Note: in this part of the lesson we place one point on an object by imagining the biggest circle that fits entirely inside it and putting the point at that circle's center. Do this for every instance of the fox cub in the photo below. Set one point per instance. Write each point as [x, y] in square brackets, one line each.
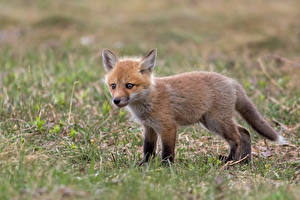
[162, 104]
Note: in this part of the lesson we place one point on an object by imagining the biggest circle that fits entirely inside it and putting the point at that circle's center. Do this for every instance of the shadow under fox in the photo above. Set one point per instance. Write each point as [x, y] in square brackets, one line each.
[162, 104]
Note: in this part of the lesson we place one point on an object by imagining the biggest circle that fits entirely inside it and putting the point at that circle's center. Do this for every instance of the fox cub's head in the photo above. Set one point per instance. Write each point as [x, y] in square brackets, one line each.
[129, 80]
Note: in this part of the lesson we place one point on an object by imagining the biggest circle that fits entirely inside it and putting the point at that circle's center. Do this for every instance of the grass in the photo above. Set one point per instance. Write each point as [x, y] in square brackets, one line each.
[61, 138]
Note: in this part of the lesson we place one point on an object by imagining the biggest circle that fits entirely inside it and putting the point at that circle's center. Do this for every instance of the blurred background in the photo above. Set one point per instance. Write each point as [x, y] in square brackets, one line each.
[190, 27]
[187, 33]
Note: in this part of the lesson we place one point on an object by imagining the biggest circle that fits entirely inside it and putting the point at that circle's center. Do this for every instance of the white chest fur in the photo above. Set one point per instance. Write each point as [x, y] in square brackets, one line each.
[141, 112]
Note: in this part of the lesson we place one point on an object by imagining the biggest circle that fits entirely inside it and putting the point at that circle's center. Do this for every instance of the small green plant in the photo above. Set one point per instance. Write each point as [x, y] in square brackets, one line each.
[73, 134]
[39, 124]
[73, 146]
[56, 129]
[105, 108]
[37, 107]
[213, 161]
[122, 115]
[59, 99]
[262, 84]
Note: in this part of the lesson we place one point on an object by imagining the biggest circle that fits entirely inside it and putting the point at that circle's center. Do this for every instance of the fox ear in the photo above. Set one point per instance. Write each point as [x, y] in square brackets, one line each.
[109, 59]
[148, 62]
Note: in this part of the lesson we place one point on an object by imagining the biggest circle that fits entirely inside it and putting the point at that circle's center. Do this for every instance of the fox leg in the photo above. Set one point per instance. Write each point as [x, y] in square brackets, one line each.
[234, 153]
[149, 147]
[228, 130]
[245, 143]
[233, 137]
[168, 140]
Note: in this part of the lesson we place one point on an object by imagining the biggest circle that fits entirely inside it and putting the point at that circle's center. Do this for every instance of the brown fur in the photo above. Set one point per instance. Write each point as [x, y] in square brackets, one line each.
[184, 99]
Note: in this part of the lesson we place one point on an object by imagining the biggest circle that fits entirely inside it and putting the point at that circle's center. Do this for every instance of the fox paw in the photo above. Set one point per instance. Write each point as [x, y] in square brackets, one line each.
[223, 158]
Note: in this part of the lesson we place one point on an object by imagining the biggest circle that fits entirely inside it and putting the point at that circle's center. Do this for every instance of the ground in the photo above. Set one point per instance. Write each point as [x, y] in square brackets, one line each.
[61, 138]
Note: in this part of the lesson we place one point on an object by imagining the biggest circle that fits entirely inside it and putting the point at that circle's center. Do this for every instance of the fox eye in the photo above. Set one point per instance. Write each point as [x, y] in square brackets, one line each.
[113, 86]
[129, 85]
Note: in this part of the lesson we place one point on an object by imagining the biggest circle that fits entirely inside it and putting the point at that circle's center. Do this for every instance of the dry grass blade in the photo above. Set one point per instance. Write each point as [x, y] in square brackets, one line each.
[231, 163]
[262, 66]
[238, 161]
[71, 101]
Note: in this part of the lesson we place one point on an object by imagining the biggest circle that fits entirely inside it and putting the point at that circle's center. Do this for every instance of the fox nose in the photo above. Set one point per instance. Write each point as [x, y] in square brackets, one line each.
[117, 101]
